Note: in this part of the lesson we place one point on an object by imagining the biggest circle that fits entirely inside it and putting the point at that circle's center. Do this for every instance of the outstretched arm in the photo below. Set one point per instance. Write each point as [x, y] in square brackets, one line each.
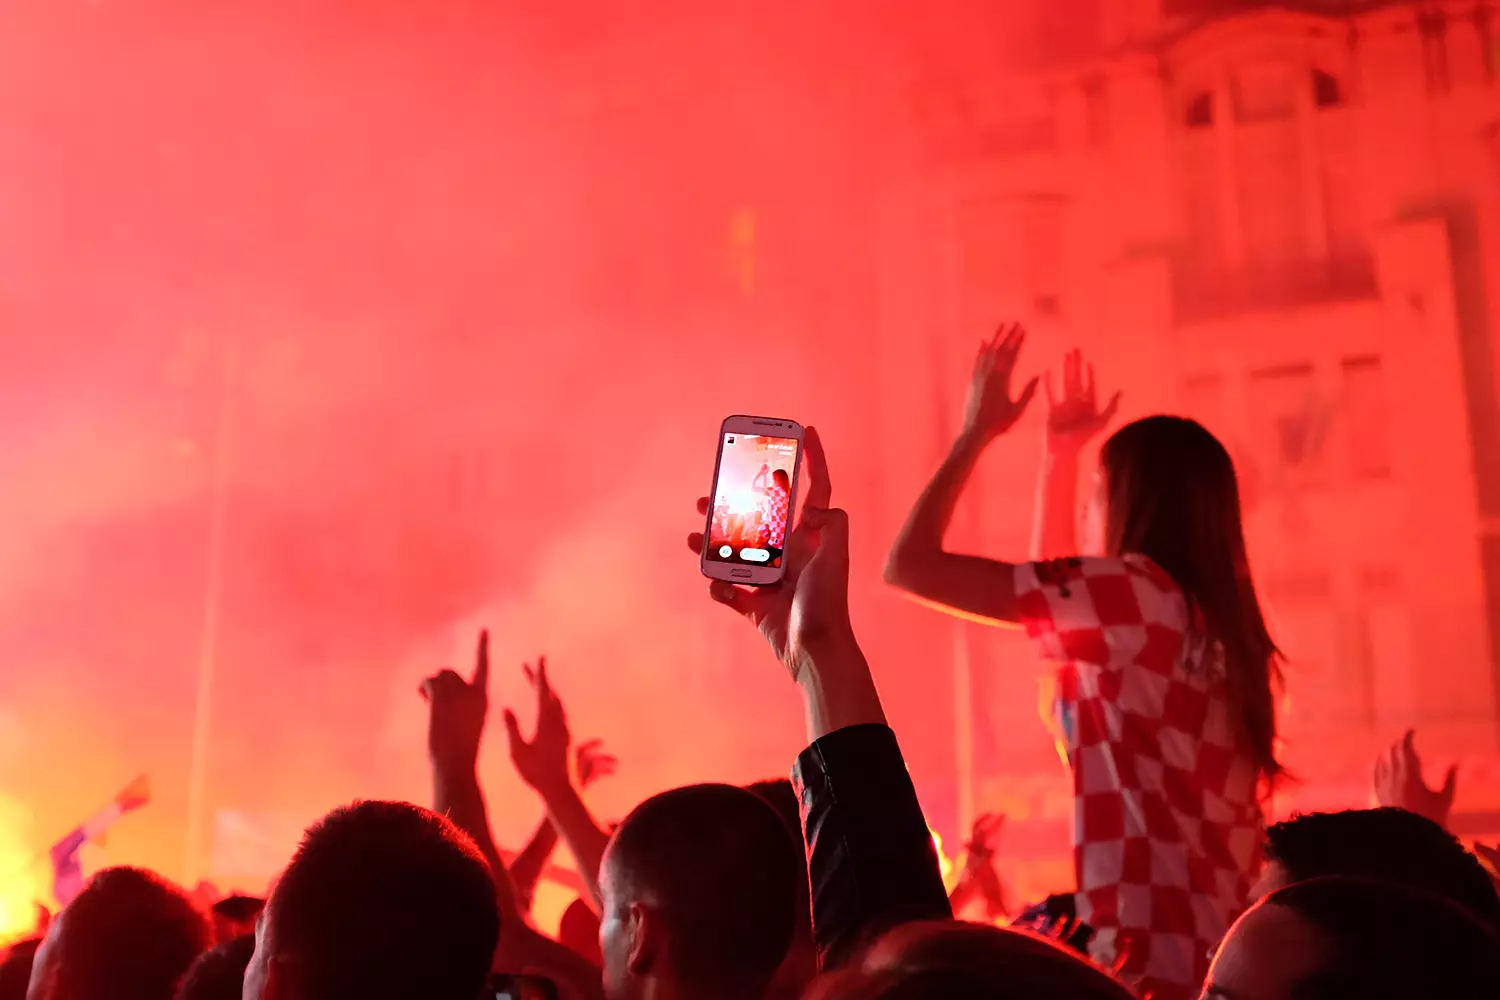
[871, 862]
[1072, 419]
[455, 725]
[592, 763]
[542, 763]
[966, 585]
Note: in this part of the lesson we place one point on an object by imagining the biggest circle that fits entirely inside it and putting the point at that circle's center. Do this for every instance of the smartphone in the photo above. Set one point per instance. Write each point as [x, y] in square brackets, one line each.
[522, 988]
[751, 503]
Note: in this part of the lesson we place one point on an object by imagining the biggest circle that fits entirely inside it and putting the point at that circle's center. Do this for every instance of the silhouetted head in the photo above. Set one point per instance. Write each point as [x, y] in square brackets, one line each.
[952, 959]
[382, 901]
[782, 479]
[1391, 845]
[1337, 938]
[235, 916]
[1168, 491]
[129, 935]
[219, 974]
[15, 969]
[579, 930]
[800, 966]
[699, 889]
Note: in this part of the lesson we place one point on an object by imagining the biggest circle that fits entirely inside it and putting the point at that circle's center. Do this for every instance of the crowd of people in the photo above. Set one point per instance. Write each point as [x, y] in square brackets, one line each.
[827, 885]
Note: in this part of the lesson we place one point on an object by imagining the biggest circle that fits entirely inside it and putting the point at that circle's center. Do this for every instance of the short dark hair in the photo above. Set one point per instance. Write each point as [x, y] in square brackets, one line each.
[1384, 940]
[15, 969]
[720, 868]
[937, 960]
[1392, 845]
[385, 900]
[219, 973]
[779, 794]
[130, 935]
[239, 908]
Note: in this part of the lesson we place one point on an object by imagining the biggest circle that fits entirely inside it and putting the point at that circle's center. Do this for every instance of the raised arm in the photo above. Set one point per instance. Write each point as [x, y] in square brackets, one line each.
[542, 763]
[871, 862]
[456, 714]
[526, 867]
[919, 564]
[1072, 419]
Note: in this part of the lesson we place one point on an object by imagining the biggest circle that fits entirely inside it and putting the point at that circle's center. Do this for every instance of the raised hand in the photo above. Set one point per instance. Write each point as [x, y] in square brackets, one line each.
[811, 603]
[592, 763]
[991, 410]
[984, 833]
[542, 761]
[456, 712]
[1399, 782]
[1074, 416]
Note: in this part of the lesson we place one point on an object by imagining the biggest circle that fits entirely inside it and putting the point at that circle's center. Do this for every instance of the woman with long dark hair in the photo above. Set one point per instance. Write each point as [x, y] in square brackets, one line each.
[1164, 693]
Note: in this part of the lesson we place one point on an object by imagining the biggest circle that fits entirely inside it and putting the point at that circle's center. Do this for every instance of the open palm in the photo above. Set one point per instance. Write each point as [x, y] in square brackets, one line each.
[991, 409]
[1074, 416]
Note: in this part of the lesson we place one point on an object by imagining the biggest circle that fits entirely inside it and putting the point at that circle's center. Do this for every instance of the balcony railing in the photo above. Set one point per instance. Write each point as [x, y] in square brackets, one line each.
[1201, 294]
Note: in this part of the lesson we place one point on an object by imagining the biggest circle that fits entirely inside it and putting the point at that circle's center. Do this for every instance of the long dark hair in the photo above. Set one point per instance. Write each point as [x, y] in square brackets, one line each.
[1174, 498]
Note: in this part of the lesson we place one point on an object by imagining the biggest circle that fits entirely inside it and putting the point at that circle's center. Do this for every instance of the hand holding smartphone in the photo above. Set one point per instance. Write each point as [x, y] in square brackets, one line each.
[751, 503]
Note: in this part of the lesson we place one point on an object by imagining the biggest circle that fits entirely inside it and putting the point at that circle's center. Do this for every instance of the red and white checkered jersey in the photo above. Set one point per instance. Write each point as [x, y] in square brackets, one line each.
[778, 509]
[1166, 822]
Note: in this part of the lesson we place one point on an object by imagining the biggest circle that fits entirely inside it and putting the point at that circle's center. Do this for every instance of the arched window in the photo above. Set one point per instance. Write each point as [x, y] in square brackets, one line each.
[1200, 111]
[1326, 90]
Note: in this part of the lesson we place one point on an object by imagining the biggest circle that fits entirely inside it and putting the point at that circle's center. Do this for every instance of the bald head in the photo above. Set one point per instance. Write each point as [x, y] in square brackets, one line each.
[700, 888]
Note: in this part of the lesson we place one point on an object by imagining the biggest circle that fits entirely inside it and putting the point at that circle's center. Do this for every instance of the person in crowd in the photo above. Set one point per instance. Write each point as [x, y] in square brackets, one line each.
[941, 960]
[872, 865]
[382, 901]
[1338, 938]
[234, 916]
[1399, 782]
[870, 857]
[775, 511]
[457, 712]
[542, 763]
[128, 935]
[591, 764]
[800, 966]
[699, 890]
[1392, 845]
[219, 973]
[1164, 697]
[15, 969]
[578, 930]
[979, 882]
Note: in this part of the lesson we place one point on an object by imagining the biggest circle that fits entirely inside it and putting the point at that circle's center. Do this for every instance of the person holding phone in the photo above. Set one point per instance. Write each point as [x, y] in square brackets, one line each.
[1164, 695]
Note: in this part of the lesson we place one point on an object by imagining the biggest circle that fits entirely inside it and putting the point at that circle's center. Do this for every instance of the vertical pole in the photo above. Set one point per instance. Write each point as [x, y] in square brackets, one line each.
[192, 862]
[963, 674]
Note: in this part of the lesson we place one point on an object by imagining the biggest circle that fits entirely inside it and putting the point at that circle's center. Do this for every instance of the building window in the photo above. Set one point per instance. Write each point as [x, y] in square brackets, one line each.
[1366, 417]
[1326, 91]
[1433, 27]
[1199, 112]
[1042, 242]
[1288, 427]
[1096, 110]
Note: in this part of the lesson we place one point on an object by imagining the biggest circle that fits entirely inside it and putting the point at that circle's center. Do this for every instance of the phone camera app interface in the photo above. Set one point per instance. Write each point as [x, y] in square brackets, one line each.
[754, 500]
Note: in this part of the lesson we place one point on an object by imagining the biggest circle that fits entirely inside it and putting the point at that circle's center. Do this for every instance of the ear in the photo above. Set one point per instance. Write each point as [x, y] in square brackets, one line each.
[645, 940]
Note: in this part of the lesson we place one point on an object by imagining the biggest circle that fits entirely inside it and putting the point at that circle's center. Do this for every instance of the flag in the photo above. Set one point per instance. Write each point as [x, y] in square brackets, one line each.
[67, 866]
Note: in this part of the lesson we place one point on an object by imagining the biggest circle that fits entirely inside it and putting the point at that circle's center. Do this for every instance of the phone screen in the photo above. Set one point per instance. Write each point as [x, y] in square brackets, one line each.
[752, 503]
[522, 988]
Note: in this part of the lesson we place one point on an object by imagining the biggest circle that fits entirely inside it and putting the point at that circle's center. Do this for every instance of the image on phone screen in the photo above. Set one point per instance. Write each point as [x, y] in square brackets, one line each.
[752, 503]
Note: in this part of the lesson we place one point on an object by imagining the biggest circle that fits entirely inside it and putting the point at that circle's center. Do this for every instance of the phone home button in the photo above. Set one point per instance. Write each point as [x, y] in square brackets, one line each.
[737, 573]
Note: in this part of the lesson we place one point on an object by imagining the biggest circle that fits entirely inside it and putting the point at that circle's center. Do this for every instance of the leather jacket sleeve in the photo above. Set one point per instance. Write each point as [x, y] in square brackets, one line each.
[870, 857]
